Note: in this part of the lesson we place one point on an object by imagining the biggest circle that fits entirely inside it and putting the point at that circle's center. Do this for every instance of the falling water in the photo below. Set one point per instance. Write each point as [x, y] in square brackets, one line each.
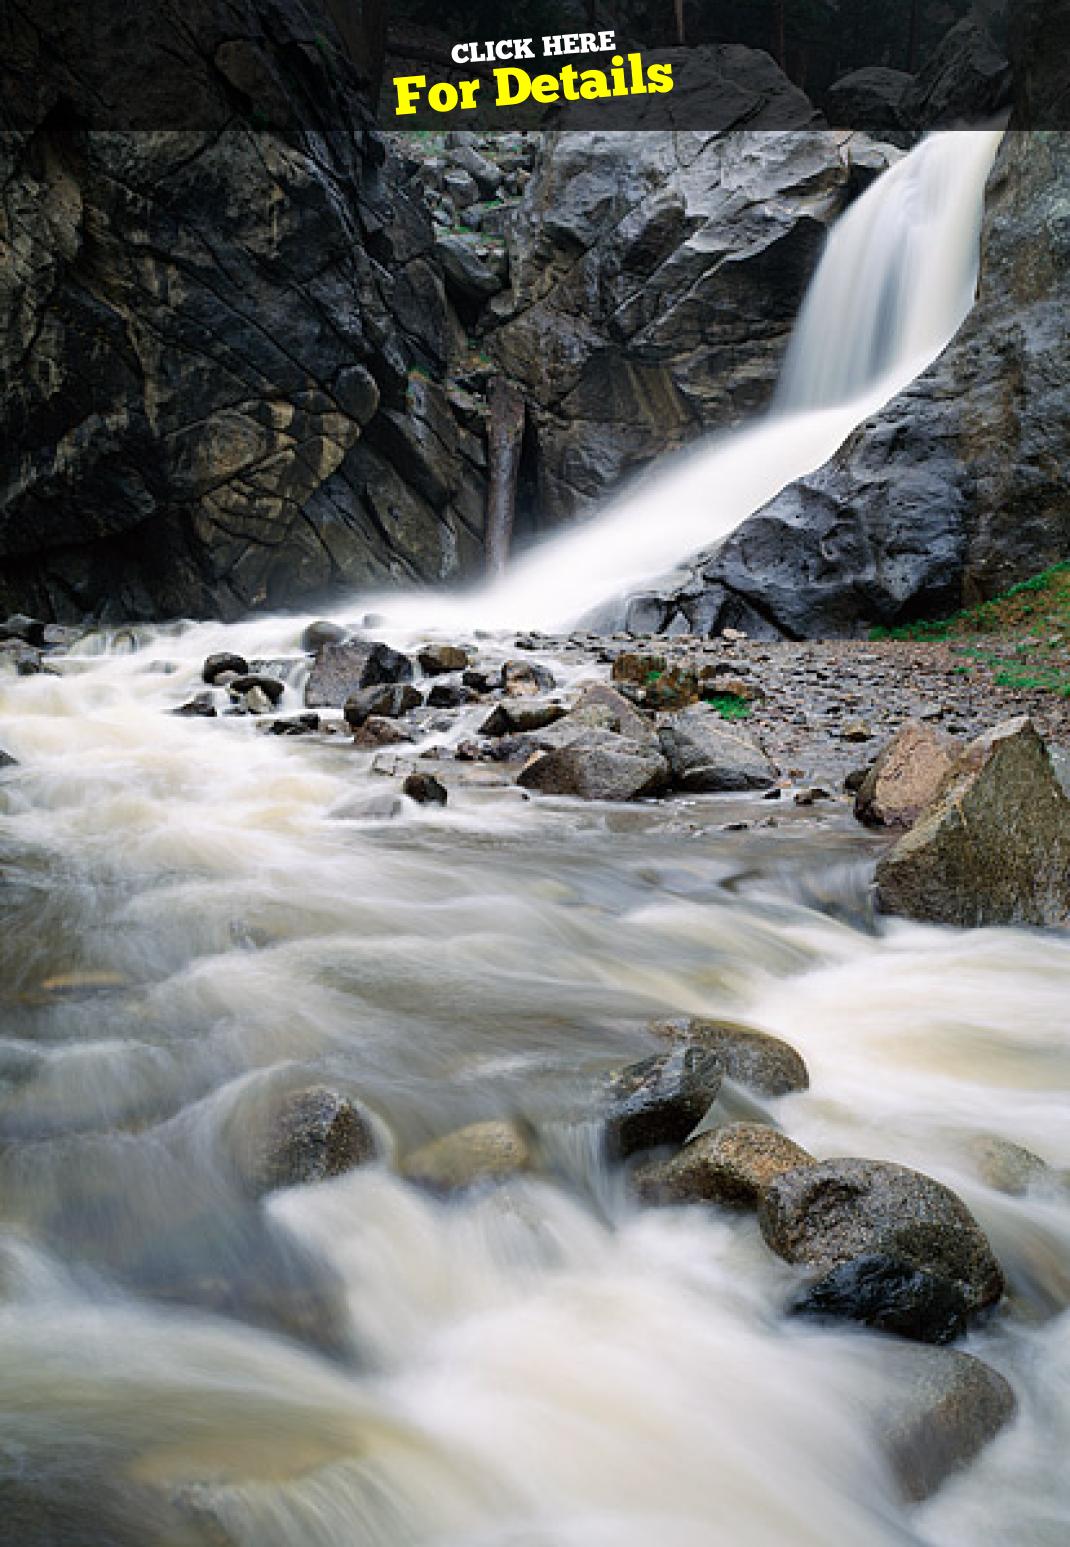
[199, 918]
[896, 280]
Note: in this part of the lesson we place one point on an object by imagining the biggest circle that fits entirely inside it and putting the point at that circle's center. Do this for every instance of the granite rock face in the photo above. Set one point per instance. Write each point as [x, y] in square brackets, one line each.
[954, 490]
[222, 354]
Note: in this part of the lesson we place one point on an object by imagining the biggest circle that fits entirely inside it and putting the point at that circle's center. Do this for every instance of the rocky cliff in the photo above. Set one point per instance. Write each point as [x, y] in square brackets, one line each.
[956, 488]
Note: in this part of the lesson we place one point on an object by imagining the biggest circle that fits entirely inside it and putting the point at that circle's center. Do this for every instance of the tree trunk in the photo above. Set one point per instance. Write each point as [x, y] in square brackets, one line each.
[505, 432]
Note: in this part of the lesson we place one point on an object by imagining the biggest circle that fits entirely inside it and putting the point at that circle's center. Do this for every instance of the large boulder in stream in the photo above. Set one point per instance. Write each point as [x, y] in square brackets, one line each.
[706, 753]
[994, 846]
[342, 670]
[731, 1165]
[894, 1248]
[657, 1101]
[763, 1063]
[597, 765]
[905, 778]
[316, 1134]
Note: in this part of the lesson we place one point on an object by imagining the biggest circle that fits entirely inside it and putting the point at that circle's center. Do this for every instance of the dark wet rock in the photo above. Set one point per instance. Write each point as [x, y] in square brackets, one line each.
[763, 1063]
[481, 1153]
[435, 660]
[658, 1101]
[447, 695]
[871, 96]
[216, 665]
[965, 79]
[316, 1134]
[425, 789]
[294, 725]
[386, 700]
[514, 719]
[271, 687]
[905, 778]
[527, 679]
[889, 1295]
[597, 765]
[706, 753]
[342, 670]
[994, 847]
[831, 1215]
[18, 626]
[321, 633]
[480, 679]
[813, 795]
[254, 701]
[7, 761]
[942, 1410]
[201, 706]
[472, 268]
[732, 1165]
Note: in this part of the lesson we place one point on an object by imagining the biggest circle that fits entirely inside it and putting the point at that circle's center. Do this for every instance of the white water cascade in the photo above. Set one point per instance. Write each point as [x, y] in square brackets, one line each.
[893, 287]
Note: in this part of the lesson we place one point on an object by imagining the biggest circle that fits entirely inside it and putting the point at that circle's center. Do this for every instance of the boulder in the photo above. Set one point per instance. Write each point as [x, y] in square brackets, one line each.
[905, 778]
[763, 1063]
[658, 1101]
[447, 695]
[889, 1295]
[935, 1409]
[526, 679]
[1006, 1167]
[270, 687]
[378, 731]
[469, 268]
[481, 1153]
[321, 633]
[7, 761]
[342, 670]
[513, 719]
[993, 847]
[872, 96]
[435, 660]
[317, 1133]
[597, 765]
[705, 753]
[200, 707]
[732, 1165]
[224, 661]
[425, 789]
[386, 700]
[884, 1237]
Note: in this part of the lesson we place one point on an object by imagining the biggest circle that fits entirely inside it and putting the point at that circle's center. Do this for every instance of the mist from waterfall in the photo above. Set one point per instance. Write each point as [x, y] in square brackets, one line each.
[894, 285]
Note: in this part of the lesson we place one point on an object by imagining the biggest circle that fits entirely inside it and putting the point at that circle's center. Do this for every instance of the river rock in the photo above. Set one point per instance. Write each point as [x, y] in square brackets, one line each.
[386, 700]
[425, 789]
[481, 1153]
[447, 695]
[597, 765]
[7, 761]
[514, 719]
[707, 754]
[321, 633]
[224, 661]
[316, 1134]
[658, 1101]
[341, 670]
[378, 731]
[868, 1226]
[763, 1063]
[526, 679]
[435, 660]
[270, 687]
[731, 1165]
[891, 1296]
[993, 847]
[905, 778]
[201, 706]
[1006, 1167]
[943, 1408]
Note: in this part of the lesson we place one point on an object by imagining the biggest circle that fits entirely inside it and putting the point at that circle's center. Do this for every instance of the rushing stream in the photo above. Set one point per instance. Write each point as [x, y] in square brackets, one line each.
[198, 917]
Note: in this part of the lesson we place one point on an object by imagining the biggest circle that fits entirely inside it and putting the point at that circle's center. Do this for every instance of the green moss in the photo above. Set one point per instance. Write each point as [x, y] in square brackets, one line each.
[729, 705]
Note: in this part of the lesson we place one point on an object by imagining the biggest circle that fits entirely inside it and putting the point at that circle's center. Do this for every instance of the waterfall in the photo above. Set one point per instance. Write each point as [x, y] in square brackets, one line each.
[895, 282]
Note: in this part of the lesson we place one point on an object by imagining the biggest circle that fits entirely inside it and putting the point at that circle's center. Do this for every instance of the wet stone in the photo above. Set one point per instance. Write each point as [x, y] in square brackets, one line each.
[658, 1101]
[480, 1153]
[343, 669]
[387, 700]
[202, 706]
[763, 1063]
[223, 661]
[526, 679]
[317, 1133]
[270, 687]
[321, 633]
[425, 789]
[436, 660]
[889, 1295]
[732, 1165]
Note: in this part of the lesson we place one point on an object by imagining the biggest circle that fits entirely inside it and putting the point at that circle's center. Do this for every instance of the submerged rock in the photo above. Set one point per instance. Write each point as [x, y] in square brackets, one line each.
[597, 765]
[316, 1134]
[342, 669]
[707, 754]
[321, 633]
[763, 1063]
[732, 1165]
[906, 777]
[658, 1101]
[943, 1408]
[993, 847]
[883, 1223]
[201, 706]
[482, 1152]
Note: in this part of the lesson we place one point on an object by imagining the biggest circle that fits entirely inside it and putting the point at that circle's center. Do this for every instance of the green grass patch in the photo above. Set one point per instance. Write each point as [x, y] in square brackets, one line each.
[729, 705]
